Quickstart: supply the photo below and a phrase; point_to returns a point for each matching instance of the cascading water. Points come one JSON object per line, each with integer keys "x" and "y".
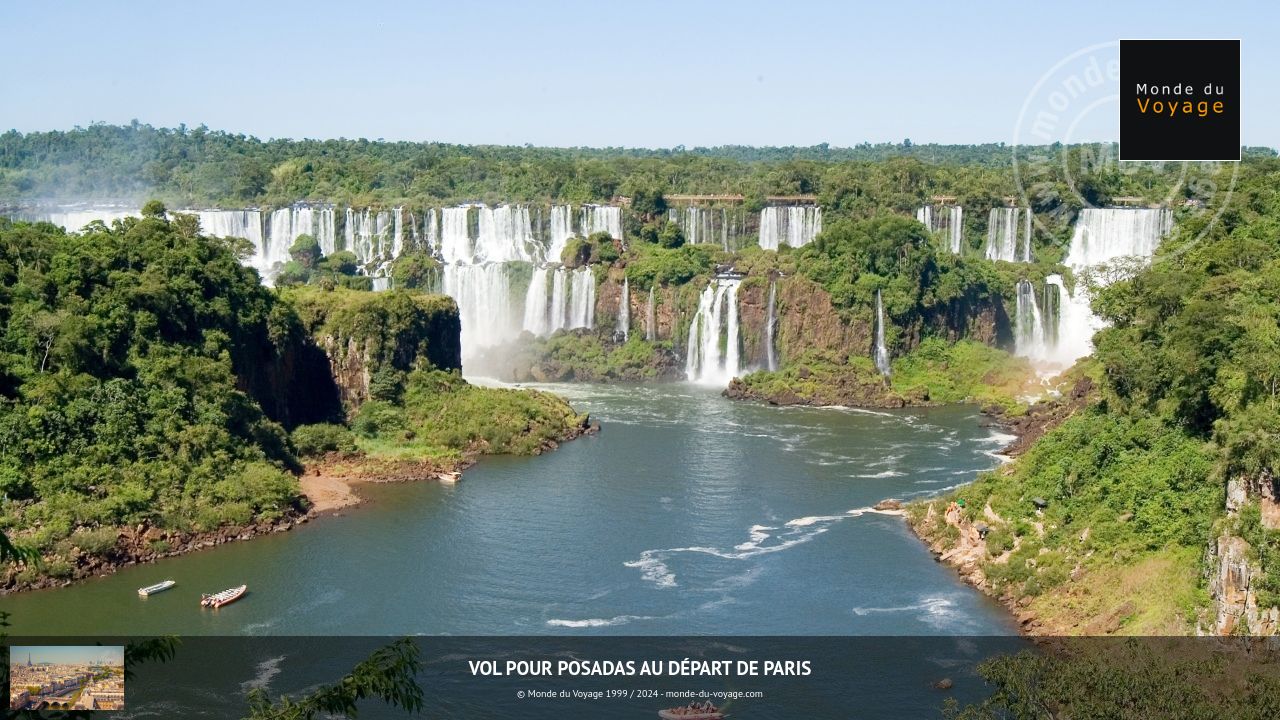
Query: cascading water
{"x": 559, "y": 232}
{"x": 1075, "y": 323}
{"x": 1101, "y": 236}
{"x": 881, "y": 352}
{"x": 650, "y": 318}
{"x": 455, "y": 235}
{"x": 376, "y": 238}
{"x": 770, "y": 328}
{"x": 482, "y": 247}
{"x": 1105, "y": 234}
{"x": 795, "y": 225}
{"x": 1027, "y": 220}
{"x": 560, "y": 299}
{"x": 1029, "y": 329}
{"x": 537, "y": 316}
{"x": 713, "y": 350}
{"x": 623, "y": 329}
{"x": 483, "y": 294}
{"x": 246, "y": 225}
{"x": 431, "y": 231}
{"x": 74, "y": 220}
{"x": 287, "y": 224}
{"x": 947, "y": 220}
{"x": 924, "y": 216}
{"x": 506, "y": 235}
{"x": 721, "y": 226}
{"x": 1002, "y": 235}
{"x": 601, "y": 218}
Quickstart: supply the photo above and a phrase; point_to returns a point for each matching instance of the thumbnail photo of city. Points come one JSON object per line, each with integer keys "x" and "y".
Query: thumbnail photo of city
{"x": 66, "y": 677}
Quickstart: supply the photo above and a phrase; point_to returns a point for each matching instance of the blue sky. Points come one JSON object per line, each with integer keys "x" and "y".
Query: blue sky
{"x": 67, "y": 654}
{"x": 653, "y": 74}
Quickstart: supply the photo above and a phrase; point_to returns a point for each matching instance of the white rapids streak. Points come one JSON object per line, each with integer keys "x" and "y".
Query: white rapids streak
{"x": 654, "y": 569}
{"x": 597, "y": 622}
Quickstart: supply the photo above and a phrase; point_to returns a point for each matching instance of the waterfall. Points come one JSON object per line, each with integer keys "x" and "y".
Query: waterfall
{"x": 1002, "y": 234}
{"x": 1105, "y": 234}
{"x": 246, "y": 225}
{"x": 709, "y": 225}
{"x": 537, "y": 319}
{"x": 1073, "y": 322}
{"x": 74, "y": 220}
{"x": 560, "y": 231}
{"x": 794, "y": 225}
{"x": 505, "y": 235}
{"x": 948, "y": 220}
{"x": 483, "y": 294}
{"x": 624, "y": 311}
{"x": 560, "y": 299}
{"x": 582, "y": 298}
{"x": 455, "y": 235}
{"x": 650, "y": 317}
{"x": 601, "y": 218}
{"x": 1101, "y": 236}
{"x": 770, "y": 328}
{"x": 376, "y": 238}
{"x": 397, "y": 236}
{"x": 431, "y": 231}
{"x": 708, "y": 360}
{"x": 1029, "y": 327}
{"x": 924, "y": 216}
{"x": 287, "y": 224}
{"x": 881, "y": 352}
{"x": 1026, "y": 236}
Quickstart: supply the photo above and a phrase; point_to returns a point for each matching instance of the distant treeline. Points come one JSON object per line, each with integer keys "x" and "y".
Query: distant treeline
{"x": 202, "y": 167}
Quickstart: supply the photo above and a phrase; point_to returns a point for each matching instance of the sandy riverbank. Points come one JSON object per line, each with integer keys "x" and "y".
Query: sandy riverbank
{"x": 329, "y": 484}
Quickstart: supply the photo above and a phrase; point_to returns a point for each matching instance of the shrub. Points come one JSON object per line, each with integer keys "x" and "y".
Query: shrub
{"x": 322, "y": 438}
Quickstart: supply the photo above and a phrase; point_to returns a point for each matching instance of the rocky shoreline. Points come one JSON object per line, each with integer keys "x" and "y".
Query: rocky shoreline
{"x": 965, "y": 552}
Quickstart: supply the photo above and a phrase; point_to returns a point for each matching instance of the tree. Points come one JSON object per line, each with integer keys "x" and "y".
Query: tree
{"x": 671, "y": 236}
{"x": 648, "y": 202}
{"x": 306, "y": 252}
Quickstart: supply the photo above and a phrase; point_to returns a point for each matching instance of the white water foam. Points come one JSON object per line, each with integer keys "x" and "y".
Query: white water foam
{"x": 264, "y": 673}
{"x": 654, "y": 569}
{"x": 598, "y": 622}
{"x": 940, "y": 612}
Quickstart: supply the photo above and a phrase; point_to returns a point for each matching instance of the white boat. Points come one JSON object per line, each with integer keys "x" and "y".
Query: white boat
{"x": 158, "y": 587}
{"x": 692, "y": 712}
{"x": 217, "y": 600}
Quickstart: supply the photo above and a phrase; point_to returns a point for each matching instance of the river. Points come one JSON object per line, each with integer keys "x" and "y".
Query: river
{"x": 687, "y": 514}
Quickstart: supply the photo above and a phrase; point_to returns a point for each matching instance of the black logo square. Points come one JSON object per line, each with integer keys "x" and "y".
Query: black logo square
{"x": 1179, "y": 99}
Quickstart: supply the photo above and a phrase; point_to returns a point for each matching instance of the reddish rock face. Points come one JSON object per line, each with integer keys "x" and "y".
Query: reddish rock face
{"x": 805, "y": 315}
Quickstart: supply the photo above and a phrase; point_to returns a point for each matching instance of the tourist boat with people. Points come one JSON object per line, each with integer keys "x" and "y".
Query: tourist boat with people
{"x": 692, "y": 711}
{"x": 157, "y": 588}
{"x": 219, "y": 599}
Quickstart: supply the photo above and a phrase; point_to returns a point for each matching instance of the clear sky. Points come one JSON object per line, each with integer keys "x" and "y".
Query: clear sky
{"x": 649, "y": 73}
{"x": 67, "y": 654}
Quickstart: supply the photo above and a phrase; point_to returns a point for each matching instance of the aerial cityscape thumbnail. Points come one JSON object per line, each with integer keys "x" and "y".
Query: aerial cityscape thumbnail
{"x": 56, "y": 677}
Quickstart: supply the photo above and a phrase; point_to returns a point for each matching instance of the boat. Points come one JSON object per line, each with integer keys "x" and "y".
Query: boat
{"x": 158, "y": 587}
{"x": 219, "y": 599}
{"x": 703, "y": 711}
